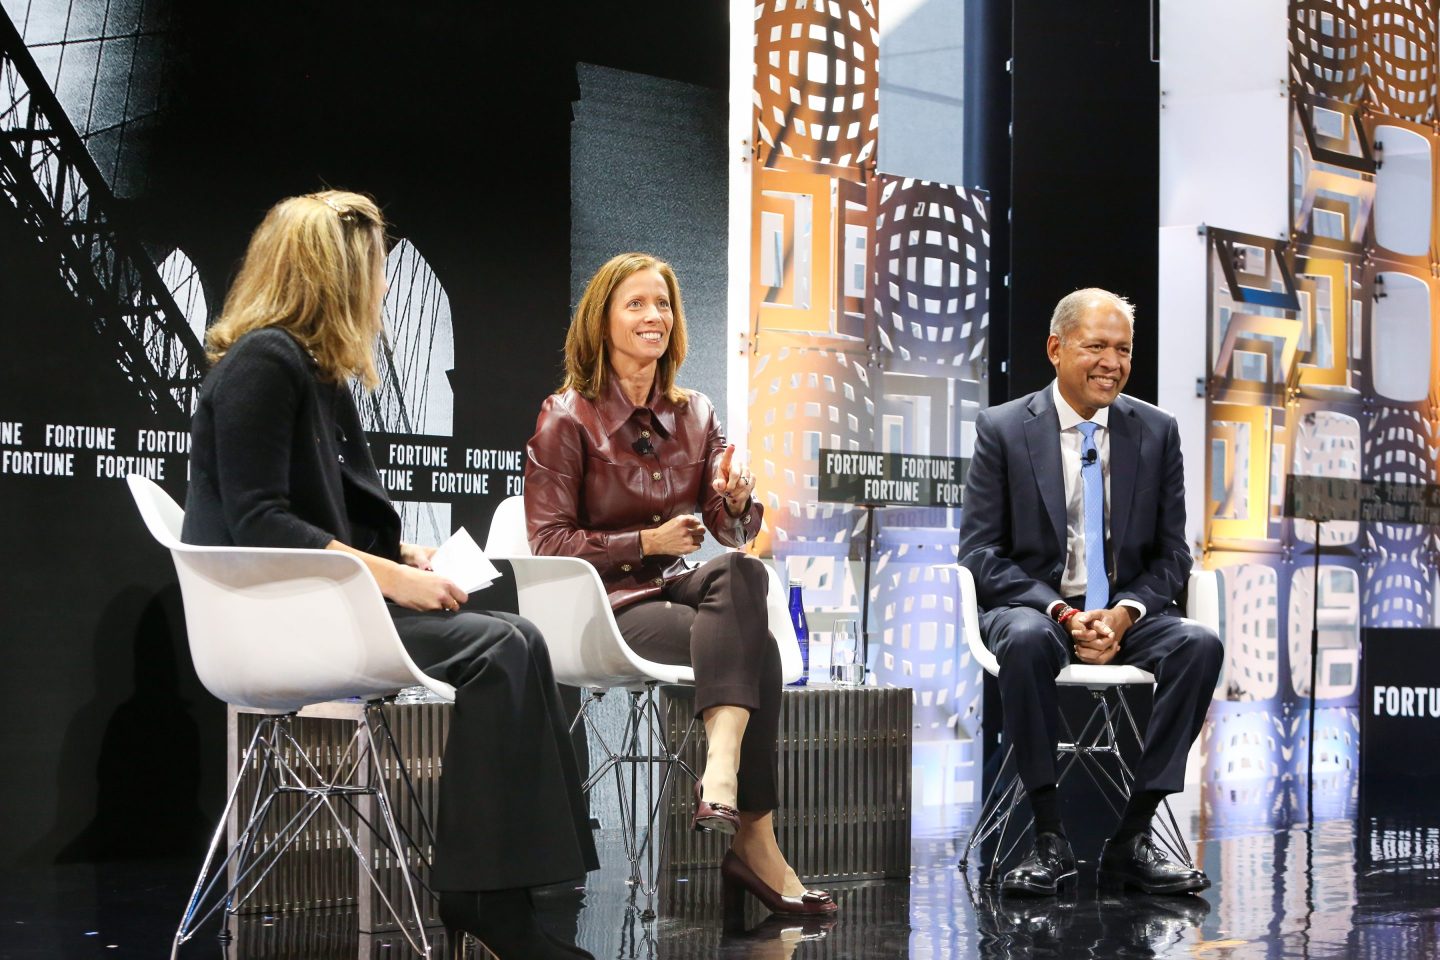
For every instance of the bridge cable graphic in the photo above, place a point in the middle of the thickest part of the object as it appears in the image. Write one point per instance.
(49, 177)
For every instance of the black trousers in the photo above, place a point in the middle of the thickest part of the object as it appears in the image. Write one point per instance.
(714, 618)
(511, 813)
(1032, 649)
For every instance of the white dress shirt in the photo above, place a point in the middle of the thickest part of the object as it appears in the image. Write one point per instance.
(1073, 581)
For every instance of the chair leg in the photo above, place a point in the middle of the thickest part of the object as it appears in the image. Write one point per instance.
(1088, 747)
(662, 754)
(1167, 829)
(1106, 740)
(996, 817)
(318, 790)
(185, 931)
(645, 752)
(327, 791)
(1099, 735)
(989, 809)
(427, 837)
(400, 847)
(243, 861)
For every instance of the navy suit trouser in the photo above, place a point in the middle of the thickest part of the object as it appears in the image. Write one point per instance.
(1184, 656)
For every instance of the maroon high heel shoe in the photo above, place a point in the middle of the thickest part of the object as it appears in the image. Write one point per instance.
(736, 878)
(719, 817)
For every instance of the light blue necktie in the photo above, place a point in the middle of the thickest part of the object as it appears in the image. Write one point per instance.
(1097, 587)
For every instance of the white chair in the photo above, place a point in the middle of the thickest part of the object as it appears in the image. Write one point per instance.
(272, 631)
(566, 599)
(1099, 736)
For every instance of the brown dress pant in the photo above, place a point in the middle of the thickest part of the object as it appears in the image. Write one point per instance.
(714, 618)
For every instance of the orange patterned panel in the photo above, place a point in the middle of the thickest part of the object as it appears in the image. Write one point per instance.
(815, 81)
(791, 251)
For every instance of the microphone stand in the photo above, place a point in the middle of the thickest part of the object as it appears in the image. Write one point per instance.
(865, 592)
(1314, 673)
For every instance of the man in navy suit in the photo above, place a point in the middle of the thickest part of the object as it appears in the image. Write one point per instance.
(1074, 528)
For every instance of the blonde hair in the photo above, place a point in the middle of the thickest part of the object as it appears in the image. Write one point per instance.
(587, 347)
(311, 270)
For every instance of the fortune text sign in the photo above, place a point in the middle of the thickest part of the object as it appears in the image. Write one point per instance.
(891, 479)
(1400, 705)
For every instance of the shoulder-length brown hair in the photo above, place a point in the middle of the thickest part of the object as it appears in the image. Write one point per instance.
(314, 268)
(587, 345)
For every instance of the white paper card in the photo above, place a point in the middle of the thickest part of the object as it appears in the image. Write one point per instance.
(461, 561)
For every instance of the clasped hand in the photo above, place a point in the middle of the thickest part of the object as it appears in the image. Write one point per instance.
(676, 537)
(1097, 633)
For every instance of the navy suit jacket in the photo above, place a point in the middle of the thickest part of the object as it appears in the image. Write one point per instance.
(1013, 528)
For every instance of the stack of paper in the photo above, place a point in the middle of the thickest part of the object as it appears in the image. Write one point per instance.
(461, 561)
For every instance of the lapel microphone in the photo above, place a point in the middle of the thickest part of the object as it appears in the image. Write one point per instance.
(1089, 456)
(643, 447)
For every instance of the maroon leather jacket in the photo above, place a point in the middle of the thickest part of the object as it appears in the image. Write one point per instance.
(597, 472)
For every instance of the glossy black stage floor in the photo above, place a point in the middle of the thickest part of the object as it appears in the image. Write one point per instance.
(1361, 884)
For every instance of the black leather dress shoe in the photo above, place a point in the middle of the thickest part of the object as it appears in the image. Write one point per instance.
(1050, 862)
(1139, 862)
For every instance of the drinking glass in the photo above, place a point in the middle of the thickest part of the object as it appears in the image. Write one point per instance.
(846, 667)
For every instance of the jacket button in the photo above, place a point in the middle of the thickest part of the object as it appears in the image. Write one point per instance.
(655, 519)
(659, 581)
(644, 434)
(625, 567)
(655, 475)
(340, 457)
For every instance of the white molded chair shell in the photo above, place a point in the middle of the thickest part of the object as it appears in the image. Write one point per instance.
(278, 629)
(782, 628)
(1202, 605)
(566, 599)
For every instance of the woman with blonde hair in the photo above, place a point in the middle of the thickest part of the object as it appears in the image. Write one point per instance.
(279, 459)
(621, 460)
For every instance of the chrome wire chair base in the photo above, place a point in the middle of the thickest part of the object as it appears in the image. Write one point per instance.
(289, 792)
(651, 761)
(1099, 737)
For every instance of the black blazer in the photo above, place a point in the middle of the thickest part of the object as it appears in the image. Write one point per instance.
(1013, 527)
(278, 457)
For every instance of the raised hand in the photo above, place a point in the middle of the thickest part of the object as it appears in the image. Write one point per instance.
(733, 481)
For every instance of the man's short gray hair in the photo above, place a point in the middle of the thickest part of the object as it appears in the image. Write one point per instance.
(1075, 305)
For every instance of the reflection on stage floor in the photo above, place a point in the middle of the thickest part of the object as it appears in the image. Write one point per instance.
(1364, 884)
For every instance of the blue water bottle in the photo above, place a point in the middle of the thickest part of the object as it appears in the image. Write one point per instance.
(802, 630)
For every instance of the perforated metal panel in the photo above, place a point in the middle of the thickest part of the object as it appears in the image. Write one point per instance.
(844, 756)
(320, 870)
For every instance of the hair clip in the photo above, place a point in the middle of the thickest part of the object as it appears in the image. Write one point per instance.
(349, 216)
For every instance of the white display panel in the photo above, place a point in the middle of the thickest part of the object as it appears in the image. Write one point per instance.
(1224, 126)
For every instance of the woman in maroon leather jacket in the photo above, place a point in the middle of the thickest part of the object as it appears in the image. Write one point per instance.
(621, 460)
